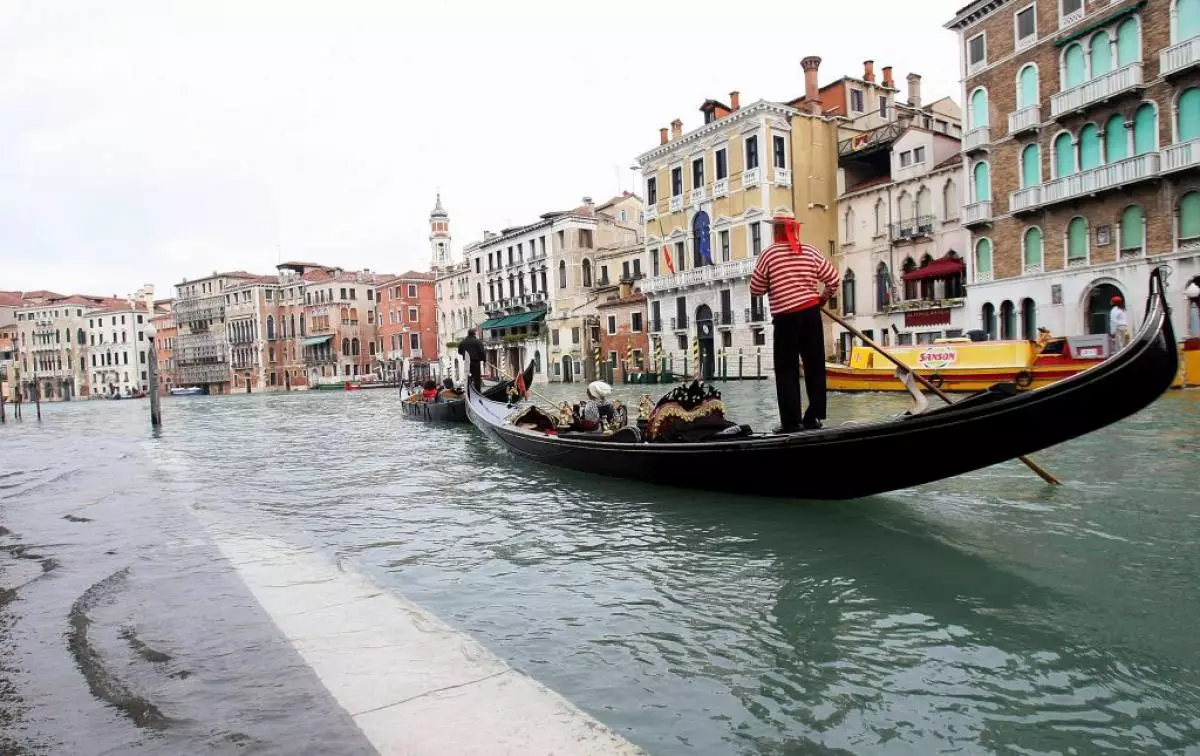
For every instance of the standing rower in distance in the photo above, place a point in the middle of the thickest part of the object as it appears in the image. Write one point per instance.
(790, 274)
(472, 348)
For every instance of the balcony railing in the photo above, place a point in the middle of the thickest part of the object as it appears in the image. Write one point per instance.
(917, 305)
(679, 323)
(977, 138)
(650, 213)
(1179, 57)
(723, 318)
(755, 316)
(977, 212)
(720, 187)
(696, 196)
(752, 177)
(655, 325)
(1025, 199)
(699, 276)
(676, 203)
(1099, 89)
(1071, 18)
(783, 177)
(1177, 157)
(911, 228)
(1099, 179)
(1025, 119)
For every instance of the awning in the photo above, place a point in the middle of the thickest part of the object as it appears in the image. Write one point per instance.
(943, 266)
(315, 340)
(521, 318)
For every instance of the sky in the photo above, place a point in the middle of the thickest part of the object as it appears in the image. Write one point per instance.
(148, 142)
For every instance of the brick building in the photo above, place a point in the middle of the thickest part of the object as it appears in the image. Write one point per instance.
(1082, 146)
(408, 332)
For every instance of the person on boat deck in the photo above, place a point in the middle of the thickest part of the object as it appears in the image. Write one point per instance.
(472, 348)
(596, 407)
(430, 392)
(791, 275)
(448, 390)
(1118, 324)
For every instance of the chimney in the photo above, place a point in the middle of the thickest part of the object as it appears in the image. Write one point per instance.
(812, 93)
(887, 77)
(676, 128)
(735, 100)
(914, 90)
(869, 71)
(662, 136)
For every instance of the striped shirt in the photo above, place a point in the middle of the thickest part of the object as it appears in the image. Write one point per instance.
(790, 278)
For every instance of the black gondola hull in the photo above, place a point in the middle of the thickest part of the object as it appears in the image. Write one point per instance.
(829, 463)
(455, 410)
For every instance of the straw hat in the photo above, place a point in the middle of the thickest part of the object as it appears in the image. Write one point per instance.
(1192, 291)
(598, 389)
(782, 214)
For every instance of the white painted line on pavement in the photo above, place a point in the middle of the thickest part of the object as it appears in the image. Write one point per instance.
(412, 684)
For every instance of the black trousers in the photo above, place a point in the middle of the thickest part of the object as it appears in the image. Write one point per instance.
(799, 338)
(477, 375)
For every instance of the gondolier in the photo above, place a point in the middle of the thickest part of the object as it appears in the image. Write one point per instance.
(791, 275)
(472, 348)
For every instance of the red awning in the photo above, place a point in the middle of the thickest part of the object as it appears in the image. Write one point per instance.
(943, 266)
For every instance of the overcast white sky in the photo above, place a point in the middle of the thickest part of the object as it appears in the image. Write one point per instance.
(152, 141)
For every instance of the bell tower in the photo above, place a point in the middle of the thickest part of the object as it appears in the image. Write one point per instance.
(439, 235)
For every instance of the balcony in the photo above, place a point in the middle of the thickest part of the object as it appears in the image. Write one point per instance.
(977, 213)
(720, 188)
(752, 177)
(706, 274)
(676, 203)
(783, 177)
(1099, 179)
(656, 325)
(696, 196)
(1025, 199)
(723, 319)
(679, 323)
(1179, 157)
(1104, 87)
(1025, 119)
(1071, 18)
(912, 228)
(651, 212)
(1180, 57)
(977, 139)
(755, 316)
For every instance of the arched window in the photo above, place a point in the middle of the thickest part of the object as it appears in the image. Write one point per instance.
(354, 347)
(988, 318)
(353, 314)
(981, 184)
(1100, 52)
(293, 328)
(270, 328)
(1129, 46)
(977, 116)
(905, 206)
(1089, 147)
(1116, 139)
(1032, 243)
(1077, 242)
(1031, 166)
(1133, 232)
(345, 313)
(302, 333)
(1008, 320)
(883, 287)
(1073, 66)
(880, 218)
(1064, 155)
(950, 200)
(849, 231)
(537, 357)
(1187, 20)
(1145, 130)
(983, 260)
(562, 273)
(1027, 87)
(80, 338)
(587, 274)
(1028, 319)
(1189, 217)
(848, 298)
(1187, 114)
(924, 205)
(345, 347)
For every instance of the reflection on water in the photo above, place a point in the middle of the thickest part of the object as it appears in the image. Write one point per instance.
(983, 613)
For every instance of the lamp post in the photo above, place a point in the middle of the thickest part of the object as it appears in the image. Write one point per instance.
(152, 377)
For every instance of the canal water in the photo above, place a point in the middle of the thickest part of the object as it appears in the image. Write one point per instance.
(982, 614)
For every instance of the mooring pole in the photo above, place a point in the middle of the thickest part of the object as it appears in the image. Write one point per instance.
(152, 378)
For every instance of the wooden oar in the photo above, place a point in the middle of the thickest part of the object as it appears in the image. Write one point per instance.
(1042, 472)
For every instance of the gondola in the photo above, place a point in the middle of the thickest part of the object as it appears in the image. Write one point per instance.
(982, 429)
(455, 410)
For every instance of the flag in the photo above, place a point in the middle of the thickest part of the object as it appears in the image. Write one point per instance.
(521, 387)
(667, 257)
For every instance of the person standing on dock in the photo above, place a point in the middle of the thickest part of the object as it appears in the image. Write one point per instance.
(790, 274)
(472, 348)
(1118, 324)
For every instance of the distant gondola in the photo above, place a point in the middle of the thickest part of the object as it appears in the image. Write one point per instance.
(455, 410)
(851, 460)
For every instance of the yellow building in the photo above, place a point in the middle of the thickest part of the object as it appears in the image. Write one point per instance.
(710, 194)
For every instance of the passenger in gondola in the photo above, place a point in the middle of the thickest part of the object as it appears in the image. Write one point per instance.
(798, 281)
(430, 392)
(472, 348)
(596, 408)
(449, 393)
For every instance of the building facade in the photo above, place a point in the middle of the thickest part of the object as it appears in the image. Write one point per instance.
(710, 194)
(166, 333)
(53, 343)
(118, 352)
(408, 342)
(202, 351)
(1082, 146)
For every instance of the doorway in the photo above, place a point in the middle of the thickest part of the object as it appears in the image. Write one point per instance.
(704, 332)
(1098, 306)
(566, 369)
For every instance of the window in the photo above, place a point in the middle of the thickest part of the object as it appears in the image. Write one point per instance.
(1100, 54)
(414, 341)
(370, 294)
(1089, 147)
(676, 182)
(848, 298)
(698, 173)
(353, 293)
(1027, 87)
(612, 358)
(575, 335)
(988, 316)
(977, 114)
(412, 314)
(345, 347)
(848, 232)
(880, 218)
(1187, 20)
(562, 274)
(554, 337)
(1026, 26)
(1128, 42)
(651, 194)
(1132, 232)
(1032, 241)
(1073, 65)
(883, 106)
(779, 150)
(751, 153)
(883, 287)
(856, 101)
(1008, 320)
(1064, 155)
(983, 260)
(343, 294)
(760, 337)
(1189, 217)
(1187, 109)
(755, 238)
(906, 158)
(1067, 9)
(635, 322)
(1031, 166)
(1077, 242)
(982, 183)
(723, 240)
(721, 157)
(1145, 130)
(977, 52)
(587, 274)
(919, 155)
(1028, 319)
(612, 325)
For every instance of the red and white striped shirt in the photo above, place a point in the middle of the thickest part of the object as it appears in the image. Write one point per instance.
(790, 279)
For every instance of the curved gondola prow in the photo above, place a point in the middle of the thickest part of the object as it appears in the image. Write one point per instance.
(499, 392)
